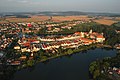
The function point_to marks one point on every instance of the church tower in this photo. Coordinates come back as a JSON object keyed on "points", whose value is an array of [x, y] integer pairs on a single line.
{"points": [[90, 32]]}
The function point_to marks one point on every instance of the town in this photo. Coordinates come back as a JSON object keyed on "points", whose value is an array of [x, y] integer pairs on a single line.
{"points": [[29, 41], [24, 44]]}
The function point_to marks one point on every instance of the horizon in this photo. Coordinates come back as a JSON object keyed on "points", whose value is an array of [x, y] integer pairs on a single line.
{"points": [[96, 6], [38, 12]]}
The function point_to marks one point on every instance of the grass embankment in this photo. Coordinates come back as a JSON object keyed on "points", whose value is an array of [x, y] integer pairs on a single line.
{"points": [[70, 51], [60, 54]]}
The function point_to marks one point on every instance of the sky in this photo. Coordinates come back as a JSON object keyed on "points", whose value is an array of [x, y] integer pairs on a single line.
{"points": [[109, 6]]}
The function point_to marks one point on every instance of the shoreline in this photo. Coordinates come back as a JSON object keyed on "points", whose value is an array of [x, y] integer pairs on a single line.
{"points": [[60, 55], [80, 50], [63, 54], [22, 66]]}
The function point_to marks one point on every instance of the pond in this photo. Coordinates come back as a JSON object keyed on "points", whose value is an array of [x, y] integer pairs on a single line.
{"points": [[72, 67]]}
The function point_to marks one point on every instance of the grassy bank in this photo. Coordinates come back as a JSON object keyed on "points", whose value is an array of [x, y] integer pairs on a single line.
{"points": [[56, 55]]}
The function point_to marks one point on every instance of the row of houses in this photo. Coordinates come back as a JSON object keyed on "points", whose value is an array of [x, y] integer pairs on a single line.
{"points": [[67, 25], [75, 40], [91, 35]]}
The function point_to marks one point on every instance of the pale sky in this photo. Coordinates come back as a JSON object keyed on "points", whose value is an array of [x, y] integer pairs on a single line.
{"points": [[60, 5]]}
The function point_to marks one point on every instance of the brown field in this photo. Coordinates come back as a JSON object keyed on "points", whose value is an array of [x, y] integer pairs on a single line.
{"points": [[117, 18], [2, 21], [69, 18], [43, 18], [32, 19], [105, 21]]}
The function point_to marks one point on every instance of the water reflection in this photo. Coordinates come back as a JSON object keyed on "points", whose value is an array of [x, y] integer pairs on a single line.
{"points": [[71, 67]]}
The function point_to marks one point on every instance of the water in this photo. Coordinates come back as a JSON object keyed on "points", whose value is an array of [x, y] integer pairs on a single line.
{"points": [[74, 67]]}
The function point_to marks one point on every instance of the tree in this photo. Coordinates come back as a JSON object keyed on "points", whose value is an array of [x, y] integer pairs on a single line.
{"points": [[95, 68], [106, 65], [30, 62], [92, 67], [96, 73], [69, 51]]}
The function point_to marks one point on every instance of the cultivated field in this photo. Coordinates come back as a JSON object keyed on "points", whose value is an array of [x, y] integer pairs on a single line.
{"points": [[105, 21], [3, 21], [69, 18], [32, 19], [43, 18], [117, 18], [36, 18]]}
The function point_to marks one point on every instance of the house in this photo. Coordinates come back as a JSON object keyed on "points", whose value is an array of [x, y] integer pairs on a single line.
{"points": [[92, 36], [23, 49], [15, 63], [35, 49], [86, 41], [22, 57], [29, 24], [117, 46], [47, 39], [100, 38], [17, 47], [1, 54]]}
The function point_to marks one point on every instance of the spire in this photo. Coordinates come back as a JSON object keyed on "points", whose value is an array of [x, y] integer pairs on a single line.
{"points": [[90, 31]]}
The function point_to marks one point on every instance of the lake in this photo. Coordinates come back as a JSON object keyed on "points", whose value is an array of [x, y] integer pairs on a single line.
{"points": [[72, 67]]}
